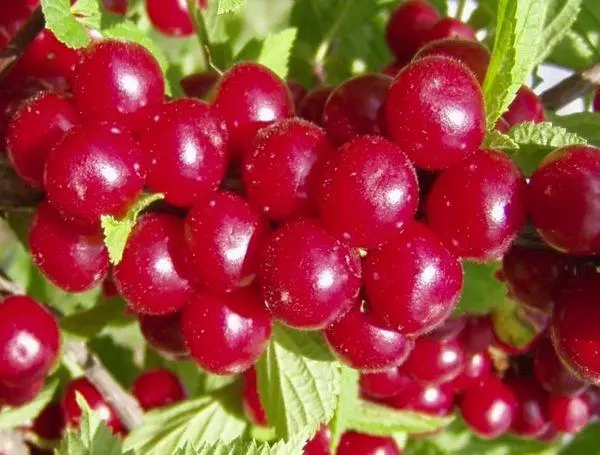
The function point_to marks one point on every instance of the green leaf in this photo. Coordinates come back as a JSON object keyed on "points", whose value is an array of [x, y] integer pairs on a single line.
{"points": [[230, 6], [298, 380], [347, 402], [482, 291], [242, 447], [276, 50], [118, 358], [498, 141], [518, 38], [515, 325], [587, 442], [206, 420], [116, 231], [87, 324], [560, 17], [380, 420], [15, 417], [61, 20], [584, 124]]}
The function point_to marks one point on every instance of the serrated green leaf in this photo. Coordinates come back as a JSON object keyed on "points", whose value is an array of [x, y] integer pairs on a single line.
{"points": [[587, 442], [230, 6], [15, 417], [561, 16], [295, 446], [65, 26], [518, 38], [276, 50], [347, 402], [482, 291], [298, 381], [496, 140], [515, 325], [584, 124], [116, 231], [87, 324], [207, 419]]}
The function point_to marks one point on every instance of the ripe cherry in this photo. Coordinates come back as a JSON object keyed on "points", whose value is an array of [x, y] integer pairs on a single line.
{"points": [[116, 6], [54, 242], [118, 81], [450, 28], [369, 192], [157, 388], [478, 366], [413, 282], [531, 417], [383, 384], [561, 200], [435, 112], [236, 322], [449, 330], [29, 341], [312, 105], [253, 408], [96, 170], [50, 423], [360, 342], [596, 102], [569, 414], [224, 235], [478, 206], [152, 276], [170, 17], [292, 150], [307, 277], [436, 400], [526, 107], [320, 443], [20, 394], [163, 333], [354, 443], [551, 373], [435, 362], [199, 85], [477, 334], [298, 92]]}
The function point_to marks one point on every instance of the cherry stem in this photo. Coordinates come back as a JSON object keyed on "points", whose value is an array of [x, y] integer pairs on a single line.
{"points": [[572, 88], [12, 441]]}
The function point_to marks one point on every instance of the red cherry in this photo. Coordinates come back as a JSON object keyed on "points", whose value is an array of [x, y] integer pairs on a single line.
{"points": [[170, 17], [95, 401], [561, 200], [596, 102], [526, 107], [224, 236], [353, 443], [477, 334], [408, 27], [118, 81], [413, 282], [450, 28], [185, 144], [478, 366], [435, 362], [152, 276], [552, 374], [531, 418], [50, 423], [253, 408], [312, 105], [360, 342], [436, 400], [237, 323], [308, 278], [393, 68], [250, 96], [55, 242], [383, 384], [435, 112], [116, 6], [96, 170], [569, 414], [29, 341], [369, 192], [199, 85], [478, 206], [297, 90], [163, 333], [291, 150], [320, 443], [449, 330], [157, 388], [21, 394]]}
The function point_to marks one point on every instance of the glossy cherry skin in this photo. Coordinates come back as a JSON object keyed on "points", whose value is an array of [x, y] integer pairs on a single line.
{"points": [[157, 388], [478, 207], [383, 384], [435, 112], [477, 367], [29, 341], [356, 108], [253, 408], [477, 334], [55, 242], [21, 394], [116, 6], [33, 130], [95, 401], [224, 236], [153, 274], [359, 341], [450, 330], [526, 107], [298, 92], [199, 85], [237, 323], [437, 400], [596, 102], [250, 96], [435, 362], [489, 409], [408, 27], [472, 54], [312, 105], [562, 200], [185, 146], [292, 150], [118, 81], [170, 17], [531, 417], [50, 423], [413, 282], [95, 170], [320, 443], [163, 333], [450, 28], [307, 277], [369, 192], [551, 373], [569, 414], [353, 443]]}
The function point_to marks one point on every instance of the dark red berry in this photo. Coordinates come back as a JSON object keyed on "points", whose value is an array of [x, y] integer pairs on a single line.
{"points": [[54, 243], [171, 17], [237, 323], [20, 394], [354, 443], [383, 384], [116, 6], [413, 282], [393, 68], [478, 366], [531, 417], [152, 276], [436, 400], [308, 278], [50, 423], [561, 200], [477, 334], [320, 443], [450, 28], [250, 96], [298, 92], [435, 112], [435, 362], [157, 388], [569, 414], [253, 408], [199, 85], [163, 333], [369, 192], [449, 330], [596, 102], [312, 105], [185, 146], [29, 341], [118, 81], [552, 374], [526, 107], [292, 150], [360, 342], [478, 207], [224, 235]]}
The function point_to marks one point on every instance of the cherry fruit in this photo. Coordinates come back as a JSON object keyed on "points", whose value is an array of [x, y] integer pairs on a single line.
{"points": [[435, 362], [526, 107], [163, 333], [170, 17], [354, 443], [435, 400], [450, 28], [312, 105], [569, 414], [531, 417], [157, 388], [383, 384], [253, 408]]}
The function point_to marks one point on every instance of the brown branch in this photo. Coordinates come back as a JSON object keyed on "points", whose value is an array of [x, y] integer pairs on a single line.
{"points": [[12, 443], [14, 192], [572, 88]]}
